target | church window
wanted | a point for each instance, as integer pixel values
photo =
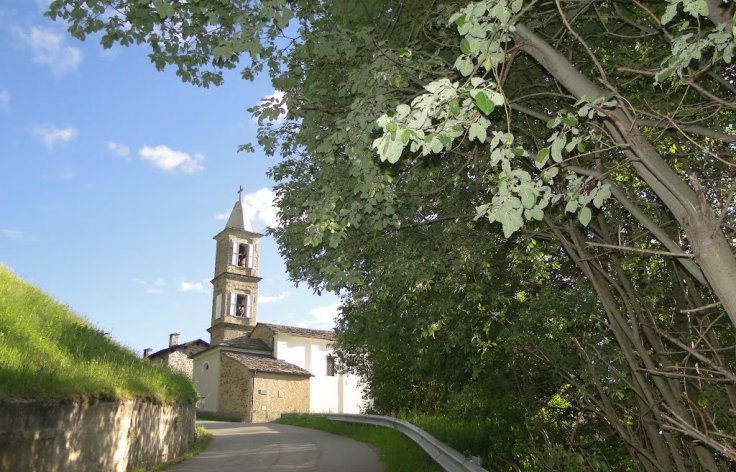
(206, 366)
(240, 305)
(242, 255)
(330, 366)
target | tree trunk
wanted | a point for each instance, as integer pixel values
(712, 252)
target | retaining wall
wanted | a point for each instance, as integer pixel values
(95, 436)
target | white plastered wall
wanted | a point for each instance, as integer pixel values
(206, 381)
(328, 394)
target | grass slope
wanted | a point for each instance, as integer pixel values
(396, 451)
(49, 352)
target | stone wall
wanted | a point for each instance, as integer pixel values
(269, 394)
(234, 393)
(95, 436)
(279, 393)
(180, 362)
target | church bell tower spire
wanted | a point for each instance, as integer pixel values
(235, 285)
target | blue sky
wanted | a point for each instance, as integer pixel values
(115, 177)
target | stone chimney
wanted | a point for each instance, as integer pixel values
(147, 352)
(173, 339)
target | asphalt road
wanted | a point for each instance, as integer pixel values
(267, 447)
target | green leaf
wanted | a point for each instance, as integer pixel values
(464, 65)
(584, 216)
(557, 146)
(542, 157)
(570, 121)
(484, 103)
(478, 132)
(510, 220)
(669, 13)
(497, 99)
(405, 136)
(696, 8)
(455, 107)
(598, 199)
(465, 47)
(163, 8)
(535, 213)
(528, 197)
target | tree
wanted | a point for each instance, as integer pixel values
(562, 120)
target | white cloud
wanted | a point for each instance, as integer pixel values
(118, 149)
(4, 99)
(50, 49)
(259, 210)
(14, 233)
(50, 134)
(275, 99)
(273, 298)
(154, 288)
(324, 317)
(185, 287)
(169, 160)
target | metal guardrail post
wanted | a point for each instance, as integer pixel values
(448, 458)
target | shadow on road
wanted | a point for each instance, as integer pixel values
(269, 447)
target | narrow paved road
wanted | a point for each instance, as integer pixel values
(267, 447)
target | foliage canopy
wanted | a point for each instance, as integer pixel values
(537, 183)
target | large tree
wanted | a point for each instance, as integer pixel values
(604, 128)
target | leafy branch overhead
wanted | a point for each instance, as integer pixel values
(454, 169)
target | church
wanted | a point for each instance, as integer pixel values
(253, 371)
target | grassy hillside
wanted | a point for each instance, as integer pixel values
(49, 352)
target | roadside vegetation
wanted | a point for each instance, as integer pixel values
(396, 451)
(49, 352)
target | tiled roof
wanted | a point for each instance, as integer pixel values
(180, 347)
(303, 332)
(244, 342)
(267, 364)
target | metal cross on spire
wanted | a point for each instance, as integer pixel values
(240, 193)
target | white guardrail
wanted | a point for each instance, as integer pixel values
(447, 457)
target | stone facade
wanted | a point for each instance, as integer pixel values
(176, 357)
(235, 390)
(92, 436)
(247, 394)
(276, 394)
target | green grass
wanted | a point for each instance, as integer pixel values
(396, 451)
(477, 437)
(201, 442)
(49, 352)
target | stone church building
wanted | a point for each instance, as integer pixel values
(255, 371)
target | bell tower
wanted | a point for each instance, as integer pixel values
(235, 285)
